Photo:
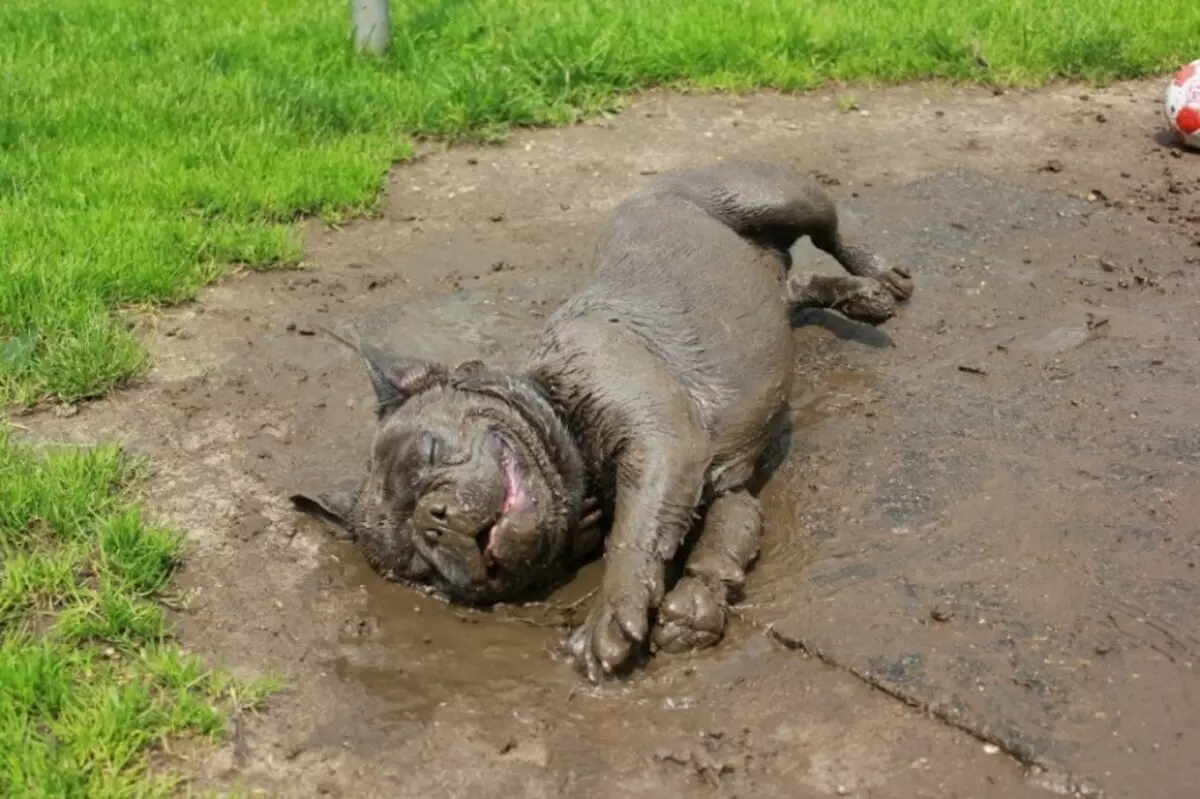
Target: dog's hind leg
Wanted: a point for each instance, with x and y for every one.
(862, 262)
(774, 205)
(862, 298)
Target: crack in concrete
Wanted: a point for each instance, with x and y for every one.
(1040, 773)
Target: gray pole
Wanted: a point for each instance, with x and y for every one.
(371, 24)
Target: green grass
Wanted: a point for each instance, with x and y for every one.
(90, 682)
(145, 145)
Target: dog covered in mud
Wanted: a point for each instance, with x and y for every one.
(643, 407)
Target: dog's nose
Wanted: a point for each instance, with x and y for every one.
(434, 518)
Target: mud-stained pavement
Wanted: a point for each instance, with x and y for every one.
(979, 571)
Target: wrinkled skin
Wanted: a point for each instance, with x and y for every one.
(649, 397)
(473, 484)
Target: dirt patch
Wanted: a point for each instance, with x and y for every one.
(984, 509)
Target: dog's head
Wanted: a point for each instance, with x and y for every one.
(473, 483)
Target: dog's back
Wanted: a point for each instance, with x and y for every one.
(692, 265)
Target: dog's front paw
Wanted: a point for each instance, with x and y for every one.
(615, 627)
(692, 617)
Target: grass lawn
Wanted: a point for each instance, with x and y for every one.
(146, 145)
(89, 680)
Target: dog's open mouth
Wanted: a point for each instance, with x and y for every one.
(515, 499)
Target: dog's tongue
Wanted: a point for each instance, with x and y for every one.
(514, 496)
(514, 499)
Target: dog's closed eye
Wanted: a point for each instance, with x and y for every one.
(432, 448)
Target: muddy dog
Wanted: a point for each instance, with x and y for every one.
(648, 397)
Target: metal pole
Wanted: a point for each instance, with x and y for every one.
(371, 25)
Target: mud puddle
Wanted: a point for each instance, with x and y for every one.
(410, 652)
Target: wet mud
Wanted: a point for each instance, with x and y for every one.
(978, 574)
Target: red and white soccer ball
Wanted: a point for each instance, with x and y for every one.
(1181, 105)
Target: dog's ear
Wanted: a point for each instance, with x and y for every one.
(395, 379)
(332, 508)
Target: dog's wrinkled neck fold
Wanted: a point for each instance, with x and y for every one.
(530, 399)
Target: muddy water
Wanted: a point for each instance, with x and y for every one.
(418, 639)
(410, 652)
